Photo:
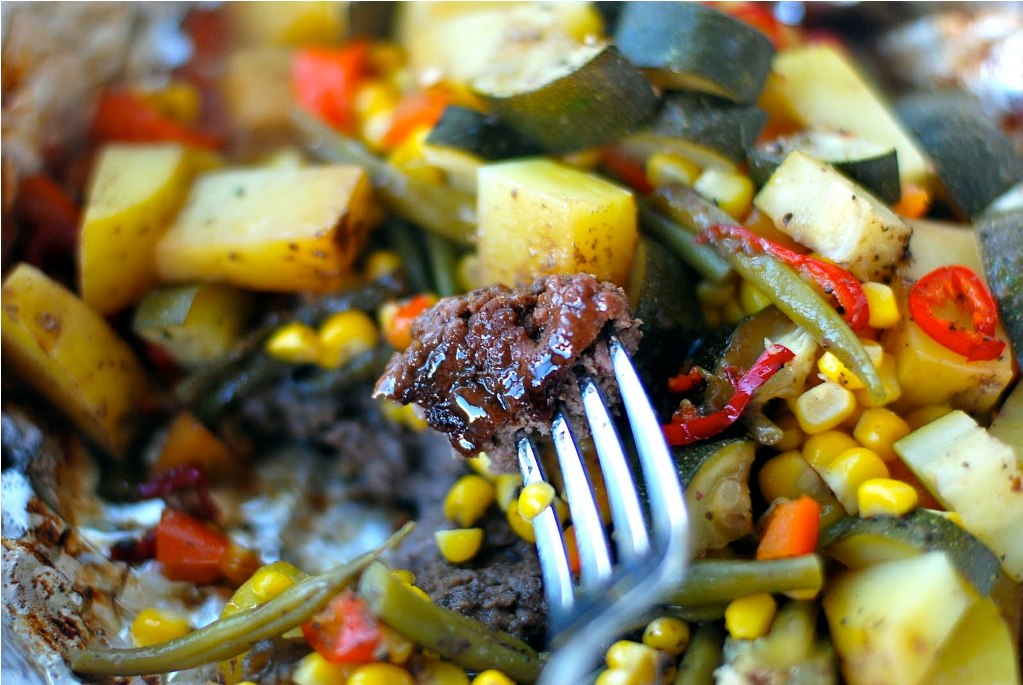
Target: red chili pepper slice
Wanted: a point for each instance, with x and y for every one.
(123, 116)
(684, 382)
(627, 169)
(345, 631)
(963, 289)
(188, 549)
(832, 279)
(325, 81)
(684, 430)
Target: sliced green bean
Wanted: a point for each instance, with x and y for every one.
(712, 581)
(462, 640)
(703, 258)
(235, 634)
(439, 209)
(778, 282)
(409, 244)
(703, 655)
(443, 263)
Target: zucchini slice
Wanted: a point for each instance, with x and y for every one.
(858, 542)
(479, 134)
(713, 122)
(689, 46)
(716, 479)
(569, 97)
(872, 165)
(1000, 236)
(975, 161)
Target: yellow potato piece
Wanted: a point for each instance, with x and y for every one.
(67, 352)
(135, 192)
(979, 651)
(270, 229)
(538, 217)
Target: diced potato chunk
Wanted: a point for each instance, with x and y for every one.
(69, 353)
(135, 192)
(287, 23)
(819, 86)
(979, 651)
(275, 229)
(257, 89)
(825, 211)
(538, 217)
(888, 622)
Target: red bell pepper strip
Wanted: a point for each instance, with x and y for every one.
(124, 116)
(51, 217)
(345, 631)
(189, 549)
(627, 169)
(422, 109)
(325, 81)
(959, 287)
(832, 279)
(685, 429)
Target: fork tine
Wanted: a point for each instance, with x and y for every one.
(550, 545)
(670, 520)
(630, 533)
(591, 539)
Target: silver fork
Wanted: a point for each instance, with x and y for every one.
(650, 560)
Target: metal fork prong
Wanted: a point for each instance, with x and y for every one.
(591, 539)
(550, 547)
(630, 528)
(671, 522)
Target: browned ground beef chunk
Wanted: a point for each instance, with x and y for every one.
(488, 364)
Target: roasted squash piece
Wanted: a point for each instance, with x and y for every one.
(270, 229)
(135, 192)
(538, 217)
(69, 353)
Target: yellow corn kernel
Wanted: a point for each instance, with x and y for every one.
(752, 299)
(583, 159)
(375, 102)
(849, 469)
(924, 415)
(885, 497)
(748, 618)
(482, 465)
(889, 381)
(823, 407)
(781, 476)
(821, 449)
(952, 516)
(883, 307)
(409, 158)
(522, 527)
(468, 499)
(344, 335)
(381, 263)
(380, 674)
(411, 416)
(313, 669)
(269, 581)
(178, 100)
(459, 545)
(441, 673)
(835, 371)
(492, 676)
(506, 487)
(154, 625)
(420, 592)
(534, 498)
(730, 190)
(398, 647)
(668, 634)
(878, 428)
(636, 657)
(663, 168)
(295, 343)
(792, 435)
(618, 676)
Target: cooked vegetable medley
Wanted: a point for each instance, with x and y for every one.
(207, 273)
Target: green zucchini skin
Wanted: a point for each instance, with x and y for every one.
(480, 134)
(974, 160)
(875, 170)
(710, 121)
(1000, 235)
(688, 46)
(600, 100)
(924, 531)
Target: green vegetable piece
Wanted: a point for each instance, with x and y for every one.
(228, 637)
(702, 656)
(703, 258)
(479, 134)
(458, 638)
(716, 478)
(443, 256)
(436, 208)
(723, 126)
(1000, 235)
(711, 581)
